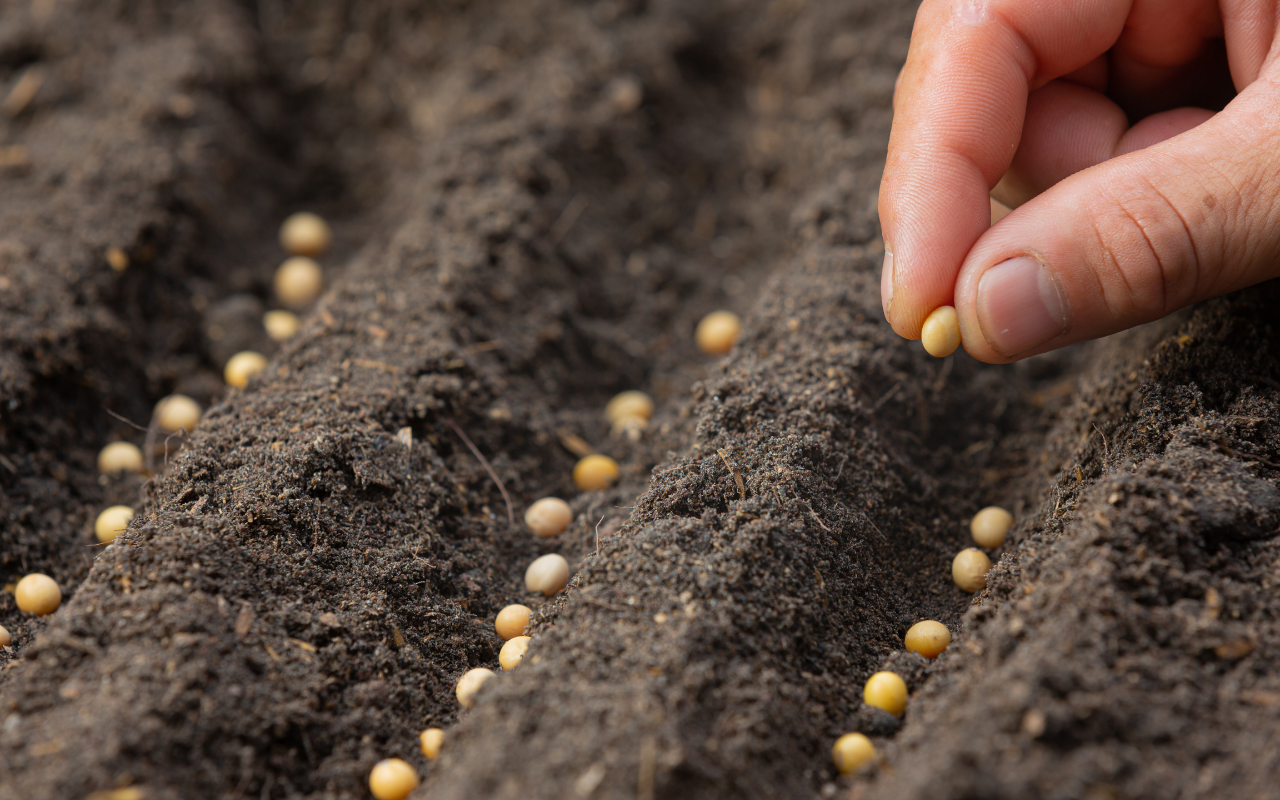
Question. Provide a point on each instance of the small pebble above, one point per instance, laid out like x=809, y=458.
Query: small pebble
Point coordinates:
x=629, y=404
x=851, y=751
x=887, y=691
x=112, y=522
x=120, y=457
x=941, y=332
x=990, y=525
x=38, y=594
x=470, y=683
x=513, y=651
x=718, y=332
x=595, y=472
x=298, y=282
x=280, y=325
x=432, y=739
x=392, y=779
x=305, y=234
x=242, y=367
x=969, y=569
x=548, y=516
x=547, y=574
x=512, y=621
x=928, y=638
x=178, y=412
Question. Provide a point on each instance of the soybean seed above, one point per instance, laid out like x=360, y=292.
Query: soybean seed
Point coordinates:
x=629, y=404
x=718, y=332
x=112, y=522
x=512, y=621
x=887, y=691
x=5, y=638
x=547, y=574
x=511, y=653
x=990, y=525
x=969, y=569
x=470, y=683
x=298, y=282
x=243, y=366
x=851, y=751
x=392, y=779
x=38, y=594
x=178, y=412
x=548, y=516
x=120, y=457
x=595, y=472
x=928, y=638
x=280, y=325
x=305, y=234
x=432, y=739
x=941, y=333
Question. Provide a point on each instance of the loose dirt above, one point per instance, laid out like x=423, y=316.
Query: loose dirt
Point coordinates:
x=533, y=205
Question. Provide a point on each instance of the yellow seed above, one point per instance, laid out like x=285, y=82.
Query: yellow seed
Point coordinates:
x=629, y=404
x=432, y=739
x=887, y=691
x=392, y=779
x=990, y=525
x=298, y=282
x=112, y=522
x=941, y=333
x=969, y=569
x=928, y=638
x=630, y=427
x=512, y=621
x=511, y=653
x=305, y=234
x=470, y=683
x=548, y=516
x=718, y=332
x=243, y=366
x=120, y=457
x=595, y=472
x=118, y=259
x=547, y=574
x=178, y=412
x=280, y=325
x=5, y=638
x=38, y=594
x=851, y=751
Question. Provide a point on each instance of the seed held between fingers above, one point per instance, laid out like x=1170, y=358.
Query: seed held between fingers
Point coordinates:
x=941, y=333
x=928, y=638
x=547, y=574
x=548, y=516
x=112, y=522
x=120, y=457
x=470, y=683
x=990, y=525
x=38, y=594
x=392, y=779
x=851, y=751
x=513, y=651
x=512, y=621
x=432, y=739
x=886, y=690
x=969, y=569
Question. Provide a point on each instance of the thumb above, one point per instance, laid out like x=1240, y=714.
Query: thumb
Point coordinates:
x=1131, y=239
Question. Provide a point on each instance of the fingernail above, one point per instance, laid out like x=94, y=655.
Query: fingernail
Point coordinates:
x=1019, y=306
x=886, y=281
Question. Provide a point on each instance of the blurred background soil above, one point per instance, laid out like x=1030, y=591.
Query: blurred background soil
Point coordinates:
x=533, y=203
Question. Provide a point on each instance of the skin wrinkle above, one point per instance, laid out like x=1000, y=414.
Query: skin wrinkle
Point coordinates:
x=1197, y=265
x=1163, y=305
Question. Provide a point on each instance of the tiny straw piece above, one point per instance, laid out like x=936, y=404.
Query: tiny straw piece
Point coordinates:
x=475, y=451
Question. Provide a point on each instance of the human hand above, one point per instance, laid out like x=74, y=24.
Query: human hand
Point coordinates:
x=1116, y=225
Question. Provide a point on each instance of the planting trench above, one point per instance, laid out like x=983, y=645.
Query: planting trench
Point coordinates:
x=533, y=204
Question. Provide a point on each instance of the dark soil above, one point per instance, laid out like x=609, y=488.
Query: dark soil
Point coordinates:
x=534, y=202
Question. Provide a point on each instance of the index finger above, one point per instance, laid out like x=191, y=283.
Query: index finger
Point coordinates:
x=957, y=121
